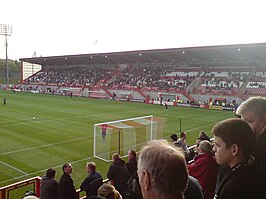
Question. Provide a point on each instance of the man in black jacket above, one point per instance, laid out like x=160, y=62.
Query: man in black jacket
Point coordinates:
x=194, y=189
x=132, y=164
x=133, y=191
x=92, y=182
x=118, y=174
x=66, y=185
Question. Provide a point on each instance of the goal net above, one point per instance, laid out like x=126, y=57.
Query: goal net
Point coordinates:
x=123, y=135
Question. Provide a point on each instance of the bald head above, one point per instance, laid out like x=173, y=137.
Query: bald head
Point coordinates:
x=162, y=170
x=205, y=146
x=253, y=111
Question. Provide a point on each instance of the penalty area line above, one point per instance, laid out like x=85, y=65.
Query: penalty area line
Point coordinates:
x=10, y=166
x=37, y=172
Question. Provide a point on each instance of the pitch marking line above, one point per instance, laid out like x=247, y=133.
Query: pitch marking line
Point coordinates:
x=29, y=174
x=8, y=165
x=46, y=145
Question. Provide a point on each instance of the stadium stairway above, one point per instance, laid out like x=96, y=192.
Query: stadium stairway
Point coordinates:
x=107, y=91
x=195, y=84
x=242, y=89
x=141, y=93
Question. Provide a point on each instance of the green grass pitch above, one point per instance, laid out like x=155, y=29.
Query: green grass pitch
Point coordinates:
x=62, y=131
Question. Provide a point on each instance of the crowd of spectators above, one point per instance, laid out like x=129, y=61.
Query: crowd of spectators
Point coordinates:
x=162, y=77
x=139, y=76
x=223, y=82
x=76, y=75
x=256, y=83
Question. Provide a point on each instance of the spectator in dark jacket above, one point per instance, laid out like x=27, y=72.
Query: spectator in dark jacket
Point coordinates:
x=66, y=185
x=132, y=164
x=92, y=182
x=202, y=136
x=173, y=138
x=49, y=185
x=194, y=190
x=118, y=174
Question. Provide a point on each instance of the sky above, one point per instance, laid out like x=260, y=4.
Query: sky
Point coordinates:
x=67, y=27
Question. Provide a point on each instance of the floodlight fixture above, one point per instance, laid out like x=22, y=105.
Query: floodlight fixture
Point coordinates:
x=6, y=30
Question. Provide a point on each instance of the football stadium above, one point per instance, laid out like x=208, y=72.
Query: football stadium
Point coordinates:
x=57, y=112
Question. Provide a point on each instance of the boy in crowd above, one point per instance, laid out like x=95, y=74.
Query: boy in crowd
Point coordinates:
x=234, y=141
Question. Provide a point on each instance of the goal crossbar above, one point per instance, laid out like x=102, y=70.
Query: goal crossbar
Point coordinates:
x=124, y=120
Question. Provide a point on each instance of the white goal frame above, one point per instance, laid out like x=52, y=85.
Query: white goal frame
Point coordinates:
x=149, y=133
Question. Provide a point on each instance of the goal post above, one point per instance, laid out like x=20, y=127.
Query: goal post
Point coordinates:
x=122, y=135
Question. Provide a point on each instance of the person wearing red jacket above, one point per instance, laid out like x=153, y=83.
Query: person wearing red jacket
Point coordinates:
x=205, y=169
x=104, y=130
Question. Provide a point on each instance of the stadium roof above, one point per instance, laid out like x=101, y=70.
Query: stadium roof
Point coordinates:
x=239, y=55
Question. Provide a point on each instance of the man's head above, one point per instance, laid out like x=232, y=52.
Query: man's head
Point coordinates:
x=202, y=133
x=253, y=111
x=183, y=135
x=204, y=147
x=132, y=154
x=50, y=173
x=173, y=137
x=30, y=193
x=108, y=191
x=67, y=168
x=162, y=170
x=115, y=157
x=234, y=140
x=90, y=167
